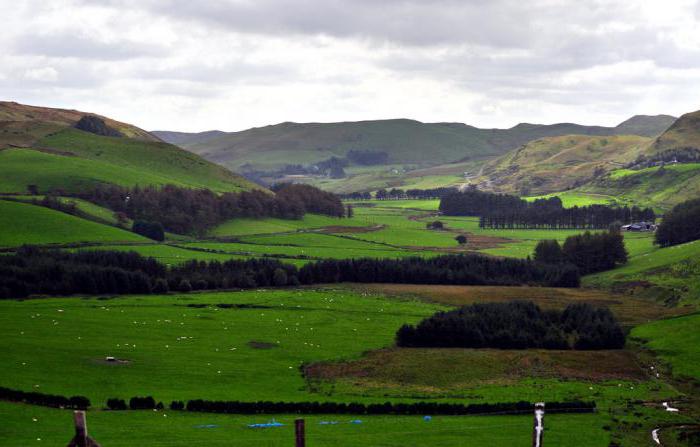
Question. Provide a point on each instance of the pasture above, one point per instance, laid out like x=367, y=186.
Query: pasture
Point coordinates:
x=24, y=223
x=27, y=425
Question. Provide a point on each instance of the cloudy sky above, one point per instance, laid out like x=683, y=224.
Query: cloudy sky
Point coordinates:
x=234, y=64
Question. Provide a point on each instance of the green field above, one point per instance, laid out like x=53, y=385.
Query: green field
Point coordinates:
x=24, y=223
x=675, y=341
x=206, y=351
x=25, y=425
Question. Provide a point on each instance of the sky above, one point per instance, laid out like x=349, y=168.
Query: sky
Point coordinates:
x=234, y=64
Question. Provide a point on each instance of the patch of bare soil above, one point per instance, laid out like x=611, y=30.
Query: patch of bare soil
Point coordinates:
x=630, y=310
x=114, y=361
x=345, y=229
x=450, y=368
x=261, y=344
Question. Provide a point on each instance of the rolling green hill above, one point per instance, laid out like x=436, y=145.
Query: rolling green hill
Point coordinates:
x=40, y=146
x=406, y=141
x=555, y=164
x=24, y=223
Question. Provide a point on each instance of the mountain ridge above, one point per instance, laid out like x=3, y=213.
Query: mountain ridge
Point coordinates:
x=405, y=140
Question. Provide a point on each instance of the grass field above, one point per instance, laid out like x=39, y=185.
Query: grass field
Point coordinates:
x=675, y=341
x=206, y=351
x=25, y=425
x=31, y=224
x=255, y=351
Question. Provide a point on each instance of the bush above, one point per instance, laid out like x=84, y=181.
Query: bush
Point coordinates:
x=116, y=404
x=46, y=400
x=177, y=405
x=142, y=403
x=151, y=230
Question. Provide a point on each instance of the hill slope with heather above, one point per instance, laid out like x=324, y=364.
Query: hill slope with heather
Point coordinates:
x=555, y=164
x=47, y=148
x=667, y=173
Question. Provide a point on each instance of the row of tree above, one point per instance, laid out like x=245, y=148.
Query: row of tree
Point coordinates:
x=509, y=212
x=416, y=408
x=589, y=252
x=400, y=194
x=44, y=400
x=51, y=272
x=516, y=325
x=194, y=211
x=680, y=225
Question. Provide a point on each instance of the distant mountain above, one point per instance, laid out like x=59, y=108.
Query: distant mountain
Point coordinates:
x=405, y=141
x=184, y=138
x=645, y=125
x=67, y=150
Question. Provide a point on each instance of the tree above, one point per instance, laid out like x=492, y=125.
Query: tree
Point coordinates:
x=349, y=212
x=279, y=277
x=461, y=239
x=680, y=225
x=152, y=230
x=436, y=225
x=184, y=286
x=548, y=252
x=160, y=286
x=33, y=190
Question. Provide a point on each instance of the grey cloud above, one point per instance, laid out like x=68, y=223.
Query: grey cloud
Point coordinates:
x=75, y=45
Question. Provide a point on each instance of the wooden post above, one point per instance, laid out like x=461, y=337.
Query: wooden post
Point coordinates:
x=299, y=432
x=81, y=434
x=81, y=438
x=538, y=427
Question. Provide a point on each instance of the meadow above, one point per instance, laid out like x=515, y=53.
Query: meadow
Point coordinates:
x=24, y=223
x=26, y=425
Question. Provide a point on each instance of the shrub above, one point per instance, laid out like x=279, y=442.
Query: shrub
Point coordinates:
x=116, y=404
x=142, y=403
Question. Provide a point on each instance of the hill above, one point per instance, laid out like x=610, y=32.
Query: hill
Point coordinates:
x=12, y=112
x=404, y=141
x=556, y=164
x=24, y=223
x=659, y=179
x=684, y=133
x=41, y=146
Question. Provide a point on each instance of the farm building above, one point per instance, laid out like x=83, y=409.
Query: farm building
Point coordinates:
x=639, y=226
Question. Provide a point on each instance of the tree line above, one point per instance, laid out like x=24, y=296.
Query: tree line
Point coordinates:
x=504, y=211
x=516, y=325
x=680, y=225
x=398, y=194
x=589, y=252
x=194, y=211
x=32, y=270
x=416, y=408
x=44, y=400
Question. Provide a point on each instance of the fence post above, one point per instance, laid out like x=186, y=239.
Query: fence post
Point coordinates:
x=299, y=432
x=538, y=427
x=80, y=428
x=81, y=438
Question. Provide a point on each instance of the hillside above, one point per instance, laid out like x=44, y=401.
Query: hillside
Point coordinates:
x=661, y=186
x=556, y=164
x=405, y=141
x=25, y=223
x=12, y=112
x=40, y=146
x=684, y=133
